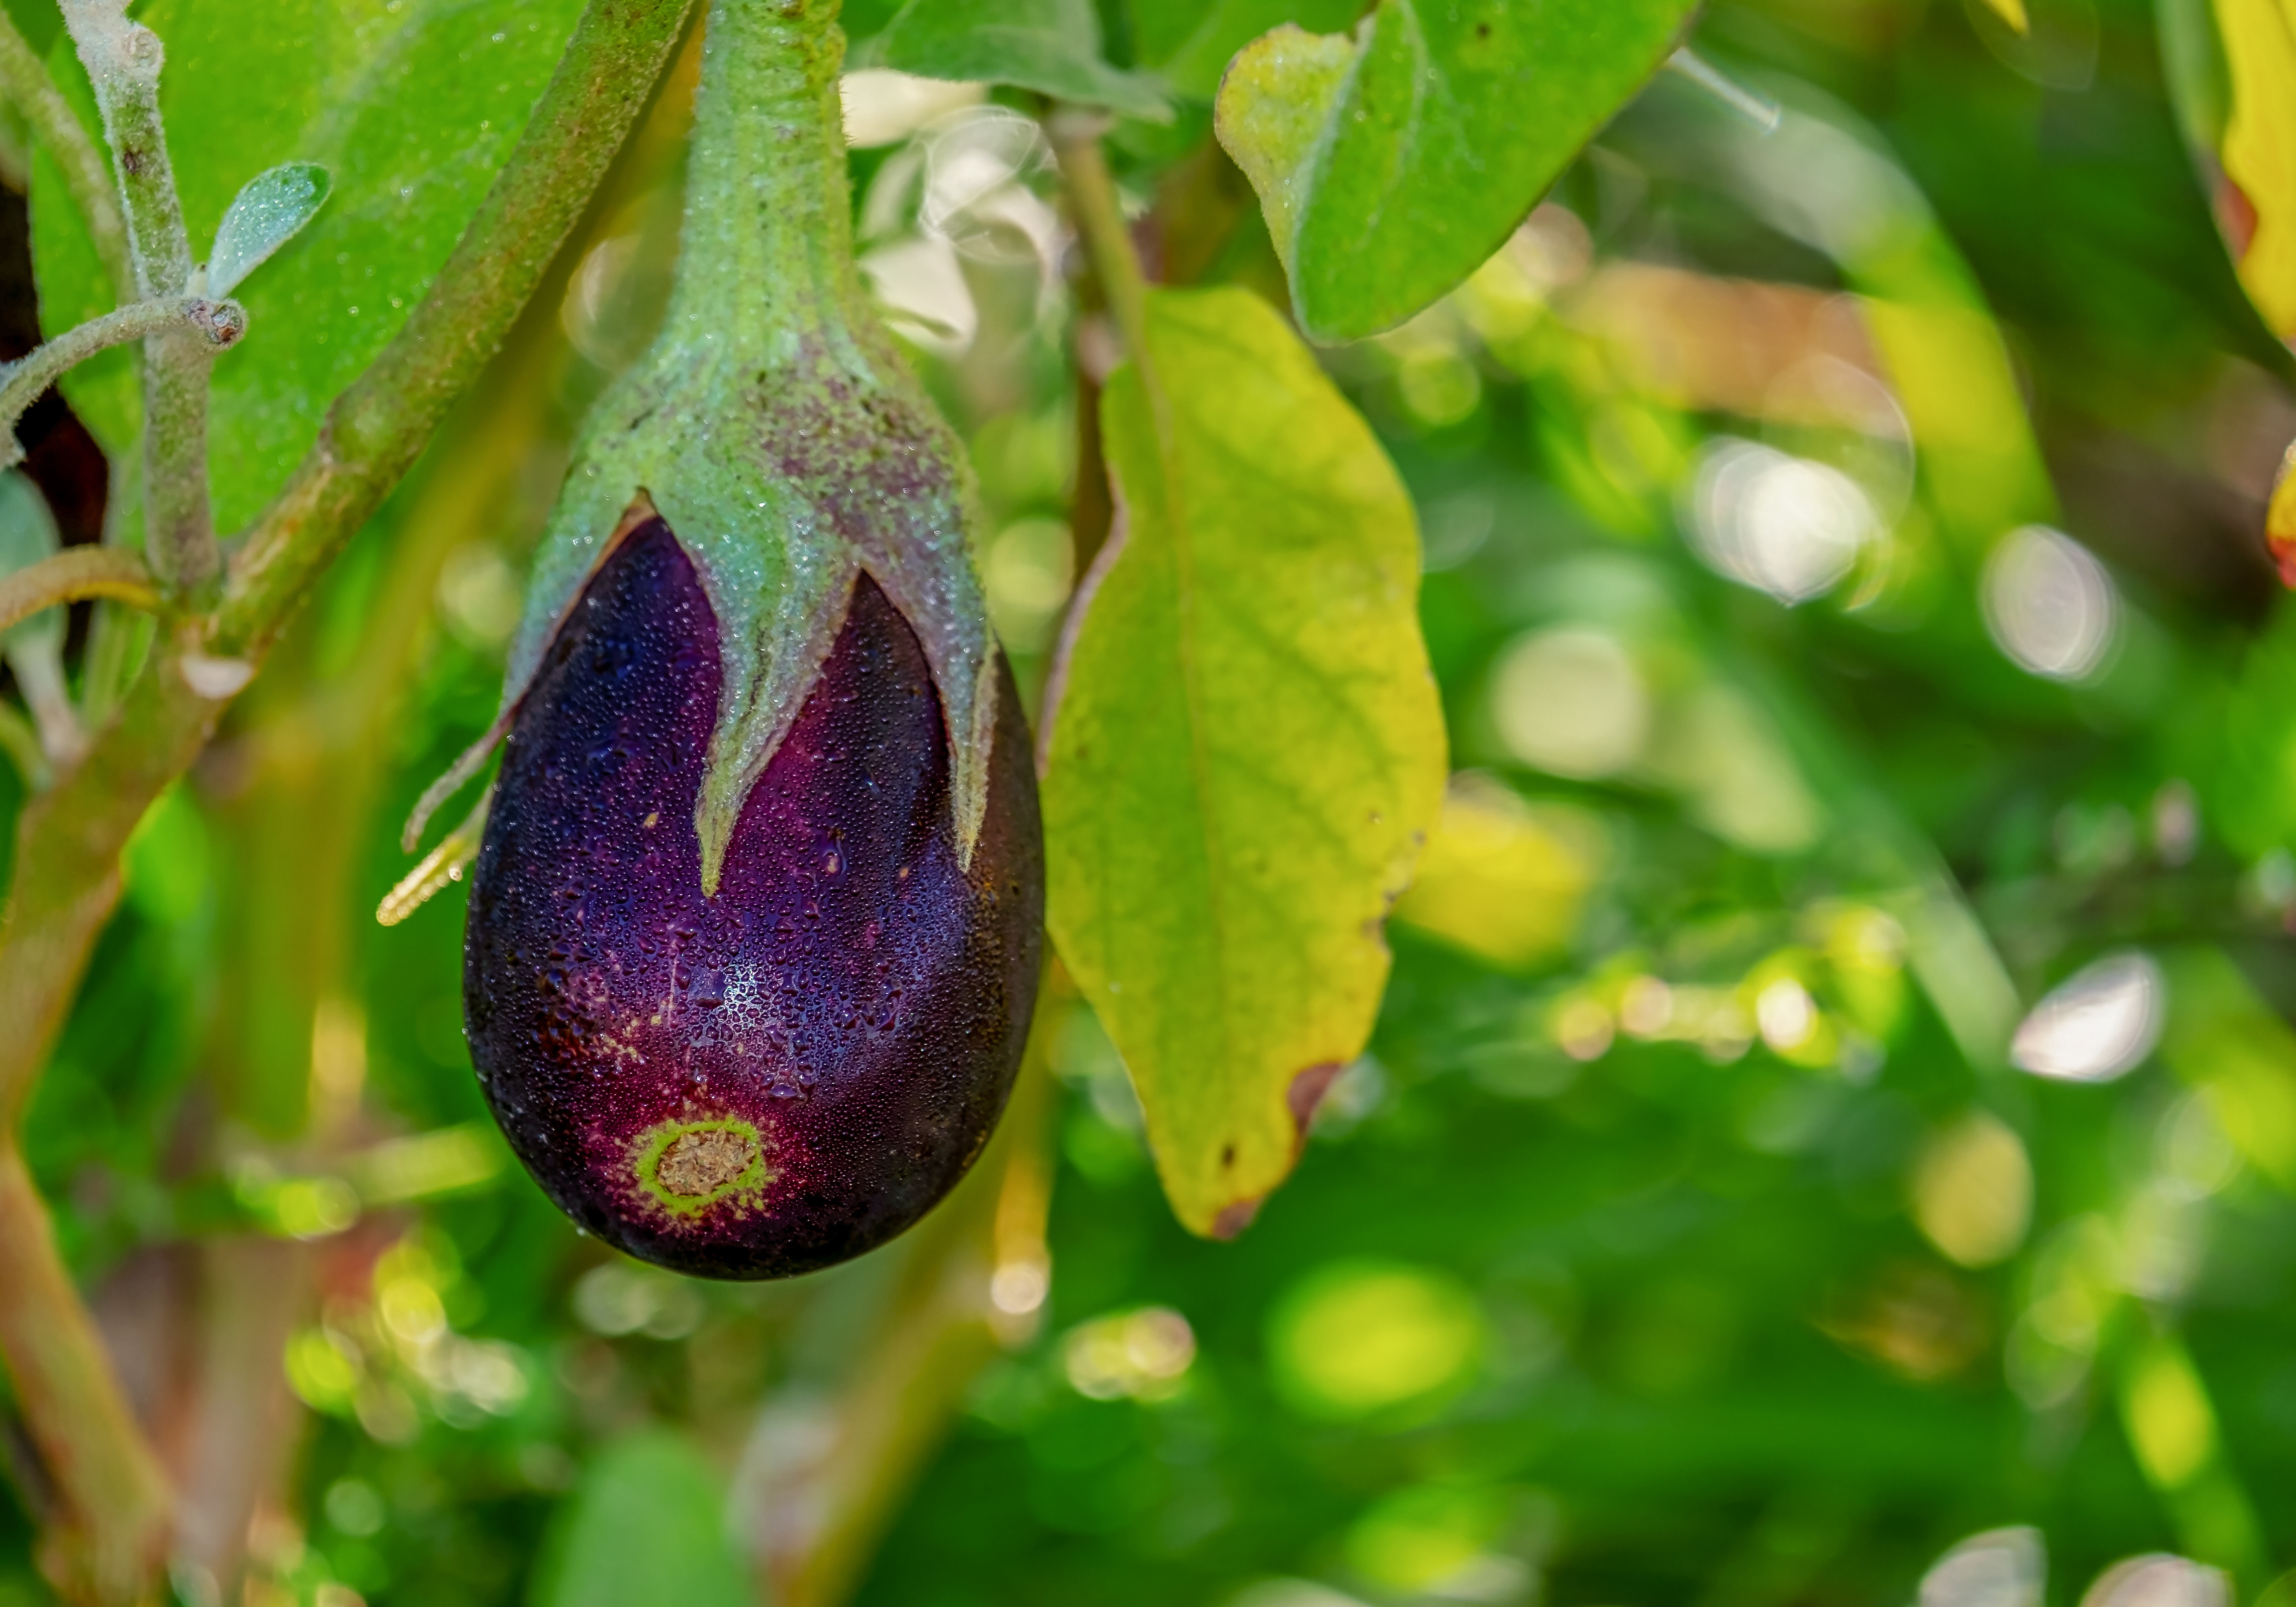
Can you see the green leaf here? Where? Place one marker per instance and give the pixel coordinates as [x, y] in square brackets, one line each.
[28, 534]
[1052, 47]
[1246, 748]
[28, 530]
[2192, 66]
[410, 107]
[269, 210]
[1189, 42]
[645, 1529]
[1392, 163]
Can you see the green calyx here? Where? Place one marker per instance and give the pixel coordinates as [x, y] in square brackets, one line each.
[686, 1168]
[778, 432]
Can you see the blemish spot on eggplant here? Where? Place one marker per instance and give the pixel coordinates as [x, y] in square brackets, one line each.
[696, 1169]
[787, 1074]
[699, 1163]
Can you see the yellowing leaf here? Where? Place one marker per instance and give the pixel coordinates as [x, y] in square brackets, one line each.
[1502, 878]
[2280, 519]
[1245, 747]
[2258, 206]
[1973, 1190]
[1274, 105]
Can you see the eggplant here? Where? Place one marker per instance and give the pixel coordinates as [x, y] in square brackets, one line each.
[756, 917]
[790, 1072]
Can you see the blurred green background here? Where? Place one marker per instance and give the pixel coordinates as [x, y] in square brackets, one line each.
[1685, 1237]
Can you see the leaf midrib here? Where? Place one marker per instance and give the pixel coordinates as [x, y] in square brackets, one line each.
[1183, 563]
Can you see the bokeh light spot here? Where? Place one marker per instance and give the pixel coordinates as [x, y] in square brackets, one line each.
[2050, 604]
[1973, 1190]
[1424, 1540]
[1030, 571]
[1143, 1353]
[1357, 1337]
[1570, 701]
[1778, 523]
[2099, 1024]
[2170, 1424]
[2158, 1579]
[1999, 1567]
[1786, 1015]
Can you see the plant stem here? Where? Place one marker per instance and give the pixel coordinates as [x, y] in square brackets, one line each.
[1093, 202]
[69, 838]
[22, 747]
[24, 79]
[766, 263]
[114, 1496]
[107, 1538]
[178, 523]
[1123, 285]
[1090, 190]
[218, 323]
[375, 429]
[123, 61]
[1099, 217]
[72, 574]
[36, 656]
[68, 861]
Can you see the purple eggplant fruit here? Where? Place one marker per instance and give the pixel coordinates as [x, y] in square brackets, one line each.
[791, 1072]
[755, 928]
